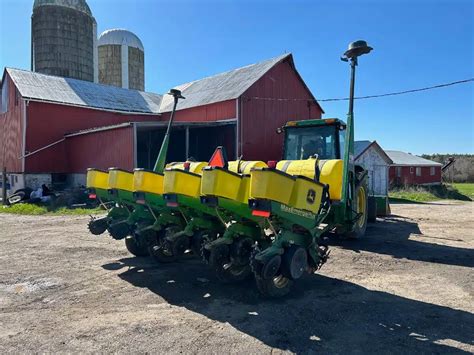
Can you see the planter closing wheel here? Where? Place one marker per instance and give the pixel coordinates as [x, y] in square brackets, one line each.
[226, 271]
[97, 226]
[161, 249]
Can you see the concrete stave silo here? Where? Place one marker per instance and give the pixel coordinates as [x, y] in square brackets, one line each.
[63, 34]
[121, 59]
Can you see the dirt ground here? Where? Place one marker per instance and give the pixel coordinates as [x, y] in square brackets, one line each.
[408, 286]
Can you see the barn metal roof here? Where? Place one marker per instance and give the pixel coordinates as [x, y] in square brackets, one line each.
[221, 87]
[49, 88]
[402, 158]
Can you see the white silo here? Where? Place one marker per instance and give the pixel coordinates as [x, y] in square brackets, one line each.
[121, 59]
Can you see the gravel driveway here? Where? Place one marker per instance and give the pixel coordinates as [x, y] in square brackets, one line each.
[408, 286]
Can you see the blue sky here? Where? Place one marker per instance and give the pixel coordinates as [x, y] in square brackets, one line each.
[416, 43]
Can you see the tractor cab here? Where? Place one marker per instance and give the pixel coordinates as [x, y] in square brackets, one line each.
[310, 138]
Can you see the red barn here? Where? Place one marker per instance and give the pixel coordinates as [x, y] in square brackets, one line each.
[52, 128]
[408, 169]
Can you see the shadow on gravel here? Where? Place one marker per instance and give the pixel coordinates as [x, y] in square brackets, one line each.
[322, 313]
[390, 236]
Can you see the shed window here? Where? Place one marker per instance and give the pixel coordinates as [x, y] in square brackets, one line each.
[432, 170]
[411, 170]
[4, 96]
[398, 171]
[418, 171]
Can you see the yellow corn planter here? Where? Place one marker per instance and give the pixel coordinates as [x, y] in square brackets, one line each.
[97, 179]
[148, 181]
[306, 194]
[271, 185]
[230, 184]
[182, 182]
[120, 179]
[220, 182]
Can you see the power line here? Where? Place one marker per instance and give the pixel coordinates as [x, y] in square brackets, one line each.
[369, 96]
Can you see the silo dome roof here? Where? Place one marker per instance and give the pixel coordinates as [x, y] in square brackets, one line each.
[80, 5]
[120, 36]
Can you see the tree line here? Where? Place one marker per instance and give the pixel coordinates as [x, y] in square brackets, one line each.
[461, 171]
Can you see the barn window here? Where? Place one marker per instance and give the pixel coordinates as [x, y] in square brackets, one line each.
[4, 96]
[398, 170]
[411, 170]
[432, 170]
[418, 171]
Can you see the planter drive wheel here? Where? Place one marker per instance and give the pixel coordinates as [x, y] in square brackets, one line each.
[135, 247]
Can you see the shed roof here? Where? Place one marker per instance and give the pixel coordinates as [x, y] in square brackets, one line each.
[360, 147]
[49, 88]
[224, 86]
[402, 158]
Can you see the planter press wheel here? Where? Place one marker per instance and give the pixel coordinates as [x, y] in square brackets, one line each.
[199, 239]
[161, 250]
[97, 226]
[225, 271]
[119, 231]
[134, 247]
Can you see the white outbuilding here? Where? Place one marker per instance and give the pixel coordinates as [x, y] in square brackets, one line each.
[374, 159]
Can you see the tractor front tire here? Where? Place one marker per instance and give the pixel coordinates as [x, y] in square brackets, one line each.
[361, 206]
[134, 247]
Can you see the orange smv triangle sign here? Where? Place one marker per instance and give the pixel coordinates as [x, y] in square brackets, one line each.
[219, 158]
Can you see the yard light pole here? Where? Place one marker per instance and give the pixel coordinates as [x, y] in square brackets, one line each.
[161, 160]
[355, 50]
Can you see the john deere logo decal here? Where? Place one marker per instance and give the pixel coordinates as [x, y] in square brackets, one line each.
[311, 196]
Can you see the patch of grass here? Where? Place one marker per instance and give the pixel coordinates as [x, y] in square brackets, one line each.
[37, 210]
[420, 194]
[466, 189]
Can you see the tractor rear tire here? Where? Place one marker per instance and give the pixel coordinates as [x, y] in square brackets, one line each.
[275, 287]
[361, 205]
[221, 263]
[134, 247]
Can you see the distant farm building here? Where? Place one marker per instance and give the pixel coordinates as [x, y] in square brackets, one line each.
[53, 128]
[408, 169]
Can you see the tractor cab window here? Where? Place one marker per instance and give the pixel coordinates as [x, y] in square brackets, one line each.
[305, 142]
